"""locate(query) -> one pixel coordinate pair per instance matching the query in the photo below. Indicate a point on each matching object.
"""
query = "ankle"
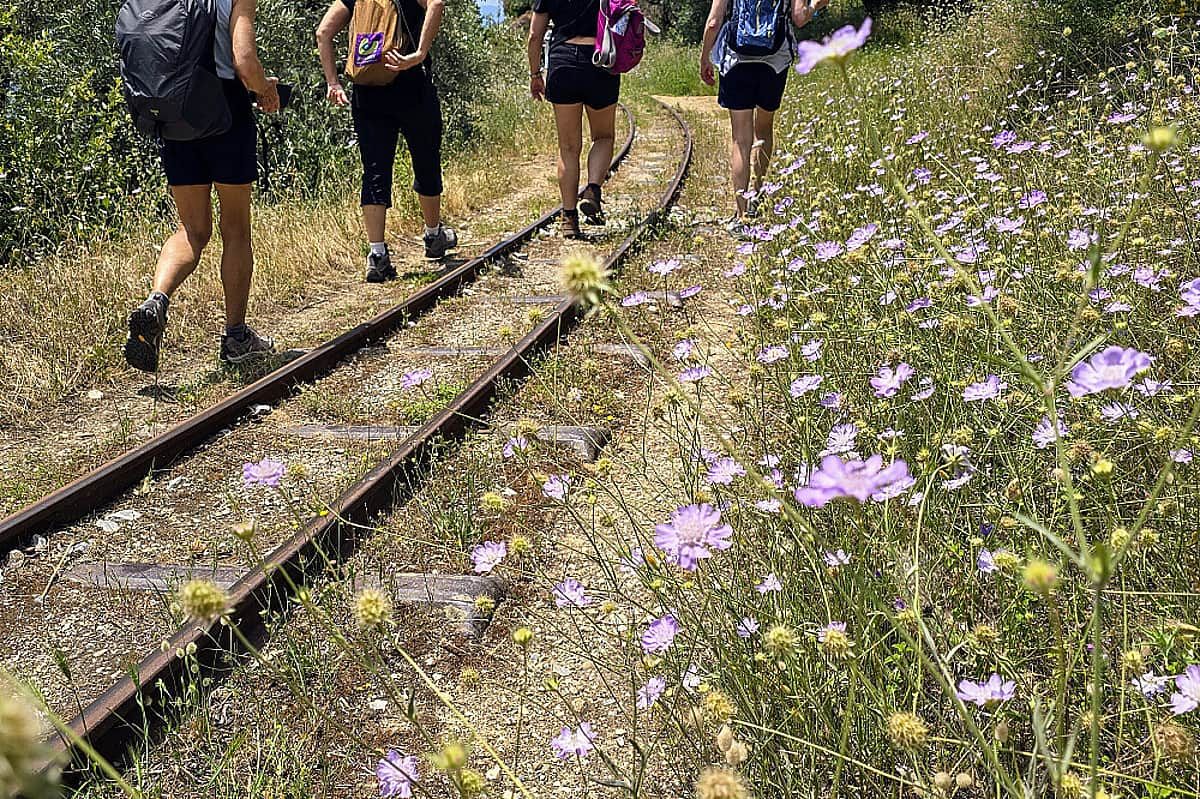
(237, 331)
(432, 231)
(378, 248)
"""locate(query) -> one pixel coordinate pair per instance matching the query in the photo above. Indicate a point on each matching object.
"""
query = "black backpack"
(168, 68)
(763, 35)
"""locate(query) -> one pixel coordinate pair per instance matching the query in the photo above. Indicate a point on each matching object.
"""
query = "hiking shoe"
(738, 227)
(379, 268)
(146, 325)
(569, 226)
(591, 206)
(238, 349)
(440, 242)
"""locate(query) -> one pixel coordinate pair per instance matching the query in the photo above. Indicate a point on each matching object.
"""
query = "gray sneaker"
(379, 268)
(238, 349)
(440, 242)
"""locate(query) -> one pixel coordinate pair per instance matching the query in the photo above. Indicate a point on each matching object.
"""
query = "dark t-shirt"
(571, 18)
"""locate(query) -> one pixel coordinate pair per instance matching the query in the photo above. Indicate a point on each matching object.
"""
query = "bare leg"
(764, 144)
(237, 254)
(603, 125)
(374, 221)
(431, 210)
(743, 138)
(181, 252)
(569, 120)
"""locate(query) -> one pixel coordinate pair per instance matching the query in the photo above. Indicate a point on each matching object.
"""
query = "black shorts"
(408, 105)
(230, 157)
(750, 86)
(573, 78)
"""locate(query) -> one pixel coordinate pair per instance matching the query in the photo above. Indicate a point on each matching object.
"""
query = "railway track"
(122, 711)
(101, 485)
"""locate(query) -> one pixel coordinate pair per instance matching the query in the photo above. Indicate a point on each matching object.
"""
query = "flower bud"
(1041, 577)
(202, 600)
(907, 731)
(372, 609)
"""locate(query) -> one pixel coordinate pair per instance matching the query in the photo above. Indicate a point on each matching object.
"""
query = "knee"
(197, 234)
(602, 139)
(570, 148)
(235, 231)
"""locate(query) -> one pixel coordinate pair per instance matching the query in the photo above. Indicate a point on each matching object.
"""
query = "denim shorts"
(573, 78)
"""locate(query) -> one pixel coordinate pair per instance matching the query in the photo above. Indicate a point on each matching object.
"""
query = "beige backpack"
(376, 28)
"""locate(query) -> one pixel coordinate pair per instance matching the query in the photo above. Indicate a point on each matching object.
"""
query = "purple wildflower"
(695, 374)
(1032, 199)
(804, 384)
(691, 534)
(888, 382)
(836, 47)
(827, 249)
(855, 479)
(649, 693)
(416, 377)
(514, 445)
(1150, 684)
(571, 593)
(986, 562)
(578, 742)
(264, 473)
(1187, 691)
(835, 559)
(488, 555)
(660, 634)
(988, 389)
(747, 627)
(635, 299)
(776, 352)
(556, 486)
(769, 584)
(1115, 367)
(397, 775)
(724, 472)
(1045, 433)
(987, 694)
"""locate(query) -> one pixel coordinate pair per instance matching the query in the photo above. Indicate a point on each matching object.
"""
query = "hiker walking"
(751, 50)
(393, 95)
(188, 70)
(573, 84)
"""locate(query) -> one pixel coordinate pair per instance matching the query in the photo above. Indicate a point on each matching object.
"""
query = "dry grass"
(64, 318)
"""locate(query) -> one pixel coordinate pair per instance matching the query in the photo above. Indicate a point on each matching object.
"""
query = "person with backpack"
(749, 43)
(393, 95)
(188, 70)
(574, 82)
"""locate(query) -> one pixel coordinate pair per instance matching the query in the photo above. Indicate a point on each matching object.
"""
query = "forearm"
(711, 29)
(537, 32)
(250, 71)
(433, 23)
(328, 59)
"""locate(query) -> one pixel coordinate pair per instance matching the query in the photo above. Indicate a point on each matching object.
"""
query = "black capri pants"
(407, 106)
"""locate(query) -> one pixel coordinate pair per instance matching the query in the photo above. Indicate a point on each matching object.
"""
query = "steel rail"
(103, 484)
(126, 710)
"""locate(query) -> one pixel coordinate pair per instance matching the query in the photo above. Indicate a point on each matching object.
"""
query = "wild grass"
(64, 320)
(943, 397)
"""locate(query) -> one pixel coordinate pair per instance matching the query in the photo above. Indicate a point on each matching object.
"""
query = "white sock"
(430, 231)
(379, 248)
